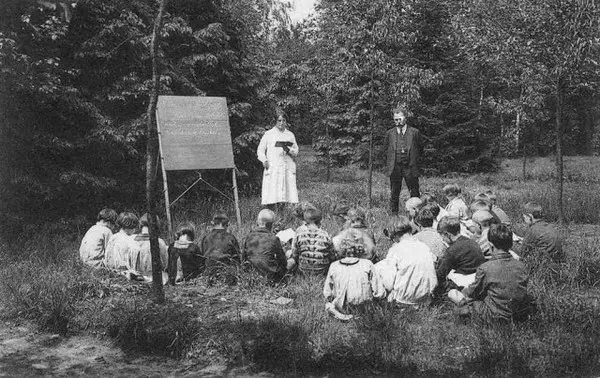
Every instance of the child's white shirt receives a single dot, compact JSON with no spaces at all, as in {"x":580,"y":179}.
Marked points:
{"x":349,"y":282}
{"x":93,"y":245}
{"x":122,"y":252}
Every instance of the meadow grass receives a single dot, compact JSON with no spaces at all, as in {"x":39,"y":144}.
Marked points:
{"x":43,"y":281}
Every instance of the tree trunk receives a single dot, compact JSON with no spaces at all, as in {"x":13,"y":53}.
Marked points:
{"x":328,"y":157}
{"x":559,"y":147}
{"x":371,"y":116}
{"x":157,"y":292}
{"x":517,"y":132}
{"x":480,"y":109}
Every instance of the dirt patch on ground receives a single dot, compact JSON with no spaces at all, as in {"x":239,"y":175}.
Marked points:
{"x":25,"y":352}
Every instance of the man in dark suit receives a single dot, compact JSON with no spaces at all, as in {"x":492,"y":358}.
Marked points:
{"x":403,"y":151}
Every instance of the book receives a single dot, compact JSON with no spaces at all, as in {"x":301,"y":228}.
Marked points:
{"x":283,"y":144}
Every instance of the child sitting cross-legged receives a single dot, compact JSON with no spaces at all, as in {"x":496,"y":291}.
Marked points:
{"x":456,"y":204}
{"x":185,"y":257}
{"x":143,"y":240}
{"x":93,"y":245}
{"x":541,"y":239}
{"x":412,"y":206}
{"x":407,"y":274}
{"x":499,"y":292}
{"x":348,"y":282}
{"x":312,"y":248}
{"x":122,"y":252}
{"x":221,"y":250}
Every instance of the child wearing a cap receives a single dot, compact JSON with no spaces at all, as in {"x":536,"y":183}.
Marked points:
{"x":348,"y":281}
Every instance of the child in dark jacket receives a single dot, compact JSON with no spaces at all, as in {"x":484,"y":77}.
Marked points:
{"x":499,"y":292}
{"x":186,"y":253}
{"x":220,"y":249}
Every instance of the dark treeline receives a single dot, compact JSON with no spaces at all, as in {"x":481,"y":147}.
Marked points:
{"x":483,"y":79}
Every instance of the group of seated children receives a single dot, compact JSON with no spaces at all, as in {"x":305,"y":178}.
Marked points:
{"x":460,"y":252}
{"x":128,"y":250}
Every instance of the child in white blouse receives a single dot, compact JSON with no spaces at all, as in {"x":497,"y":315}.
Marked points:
{"x":348,"y":281}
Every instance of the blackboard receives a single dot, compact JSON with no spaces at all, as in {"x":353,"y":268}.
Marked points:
{"x":194,"y":132}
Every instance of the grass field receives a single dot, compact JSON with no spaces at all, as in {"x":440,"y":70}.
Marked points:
{"x":239,"y":326}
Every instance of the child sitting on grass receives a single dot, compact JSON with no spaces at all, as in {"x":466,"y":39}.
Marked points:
{"x":499,"y":292}
{"x":428,"y":234}
{"x":184,"y":254}
{"x":462,"y":258}
{"x":407,"y":275}
{"x":429,"y":199}
{"x":348,"y":281}
{"x":312,"y":248}
{"x":541,"y":238}
{"x":221,"y":250}
{"x":412,"y":206}
{"x":93,"y":245}
{"x":143,"y":240}
{"x":262,"y":249}
{"x":122,"y":252}
{"x":456,"y":205}
{"x":502,"y":216}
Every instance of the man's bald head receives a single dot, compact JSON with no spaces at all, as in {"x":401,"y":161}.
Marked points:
{"x":265,"y":218}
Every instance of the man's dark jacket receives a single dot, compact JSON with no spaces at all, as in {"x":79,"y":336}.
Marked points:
{"x":414,"y":148}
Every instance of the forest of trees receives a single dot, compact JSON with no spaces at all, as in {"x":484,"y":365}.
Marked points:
{"x":484,"y":79}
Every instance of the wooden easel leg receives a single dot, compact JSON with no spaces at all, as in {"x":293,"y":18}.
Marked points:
{"x":236,"y":198}
{"x":167,"y":204}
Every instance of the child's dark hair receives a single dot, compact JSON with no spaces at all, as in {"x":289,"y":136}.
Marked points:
{"x":186,"y":229}
{"x":400,"y":227}
{"x":145,"y":221}
{"x":220,"y":219}
{"x":534,"y":209}
{"x":301,"y":208}
{"x":500,"y":235}
{"x":128,"y":221}
{"x":452,"y":189}
{"x":450,"y":225}
{"x":313,"y":216}
{"x":425,"y":216}
{"x":107,"y":215}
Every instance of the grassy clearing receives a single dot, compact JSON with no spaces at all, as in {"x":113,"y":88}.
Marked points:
{"x":238,"y":326}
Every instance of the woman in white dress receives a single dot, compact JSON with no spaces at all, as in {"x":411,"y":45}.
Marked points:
{"x":276,"y":152}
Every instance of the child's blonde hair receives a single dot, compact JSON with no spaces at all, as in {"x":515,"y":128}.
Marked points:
{"x":413,"y":203}
{"x":452,"y":189}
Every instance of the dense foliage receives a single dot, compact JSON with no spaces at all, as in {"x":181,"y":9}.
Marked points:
{"x":74,"y":94}
{"x":480,"y":78}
